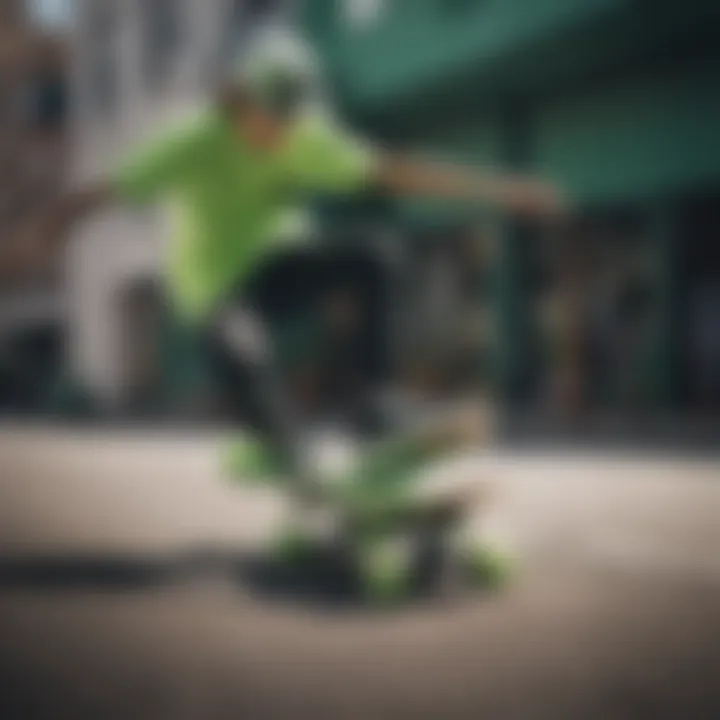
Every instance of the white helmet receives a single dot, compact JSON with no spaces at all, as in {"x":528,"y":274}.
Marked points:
{"x":279,"y":71}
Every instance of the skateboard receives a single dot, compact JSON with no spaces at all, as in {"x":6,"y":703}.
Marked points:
{"x":372,"y":533}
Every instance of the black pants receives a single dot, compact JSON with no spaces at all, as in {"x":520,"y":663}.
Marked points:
{"x":242,"y":352}
{"x":243,"y":356}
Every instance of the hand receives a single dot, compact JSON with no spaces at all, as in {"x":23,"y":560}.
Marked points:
{"x":27,"y":252}
{"x":38,"y":241}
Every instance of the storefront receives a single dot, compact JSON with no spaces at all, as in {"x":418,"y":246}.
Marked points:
{"x":618,"y":103}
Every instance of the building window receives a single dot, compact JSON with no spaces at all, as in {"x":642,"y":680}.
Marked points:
{"x":362,"y":13}
{"x":47,"y":102}
{"x":162,"y":38}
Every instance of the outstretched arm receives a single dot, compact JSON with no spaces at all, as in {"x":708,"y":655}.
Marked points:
{"x":44,"y":235}
{"x":519,"y":195}
{"x":74,"y":208}
{"x":144,"y":175}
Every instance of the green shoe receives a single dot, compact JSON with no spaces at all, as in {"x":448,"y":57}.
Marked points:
{"x":386,"y":571}
{"x":251,"y":460}
{"x":488,"y":566}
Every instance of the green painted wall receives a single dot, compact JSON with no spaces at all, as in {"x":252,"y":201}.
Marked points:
{"x":412,"y":41}
{"x":635,"y":138}
{"x":622,"y":106}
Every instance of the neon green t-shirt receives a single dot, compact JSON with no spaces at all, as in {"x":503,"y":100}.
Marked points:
{"x":230,"y":203}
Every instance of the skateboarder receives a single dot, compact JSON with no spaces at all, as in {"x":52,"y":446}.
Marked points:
{"x":232,"y":175}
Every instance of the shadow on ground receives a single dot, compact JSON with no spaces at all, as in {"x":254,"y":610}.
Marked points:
{"x":324,"y":584}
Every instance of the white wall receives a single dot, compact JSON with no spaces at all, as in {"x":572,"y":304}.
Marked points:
{"x":108,"y":255}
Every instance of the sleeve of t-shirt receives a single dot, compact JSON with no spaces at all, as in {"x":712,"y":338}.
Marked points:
{"x":329,"y":159}
{"x":156,"y":165}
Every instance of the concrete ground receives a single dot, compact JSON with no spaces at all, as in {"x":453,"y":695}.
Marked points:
{"x":615,"y":614}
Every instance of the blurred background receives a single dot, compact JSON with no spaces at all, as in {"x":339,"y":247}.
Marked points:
{"x":617,"y":317}
{"x":123,"y":584}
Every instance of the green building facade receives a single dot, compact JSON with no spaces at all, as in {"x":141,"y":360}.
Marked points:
{"x":616,"y":100}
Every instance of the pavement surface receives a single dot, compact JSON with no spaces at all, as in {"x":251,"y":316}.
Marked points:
{"x":121,"y":595}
